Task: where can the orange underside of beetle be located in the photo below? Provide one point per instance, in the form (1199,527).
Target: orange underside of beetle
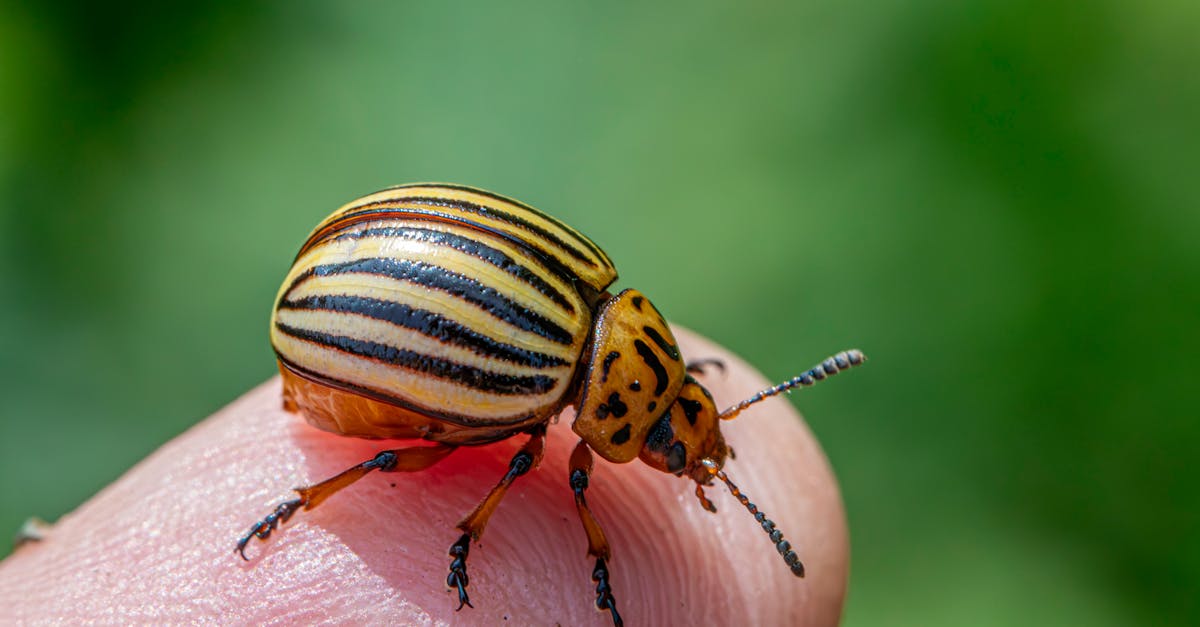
(348,413)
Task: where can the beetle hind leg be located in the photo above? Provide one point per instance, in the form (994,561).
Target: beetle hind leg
(473,524)
(581,470)
(397,460)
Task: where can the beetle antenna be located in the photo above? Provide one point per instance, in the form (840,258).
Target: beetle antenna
(783,546)
(831,366)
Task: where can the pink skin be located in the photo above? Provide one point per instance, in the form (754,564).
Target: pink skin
(156,546)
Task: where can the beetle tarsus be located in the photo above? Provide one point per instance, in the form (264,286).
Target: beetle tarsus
(704,500)
(458,570)
(263,528)
(474,523)
(385,461)
(604,596)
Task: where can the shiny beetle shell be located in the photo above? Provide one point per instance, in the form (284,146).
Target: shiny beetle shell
(455,314)
(458,316)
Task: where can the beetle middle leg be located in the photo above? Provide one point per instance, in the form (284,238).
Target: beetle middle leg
(472,525)
(396,460)
(581,470)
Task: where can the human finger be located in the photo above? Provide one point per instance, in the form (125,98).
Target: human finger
(156,545)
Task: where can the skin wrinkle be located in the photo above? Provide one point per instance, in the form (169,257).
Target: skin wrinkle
(156,545)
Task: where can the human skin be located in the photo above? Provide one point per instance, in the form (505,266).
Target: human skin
(156,546)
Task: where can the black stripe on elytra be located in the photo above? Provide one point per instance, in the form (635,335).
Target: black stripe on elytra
(503,216)
(453,283)
(671,350)
(581,238)
(385,209)
(660,373)
(381,209)
(471,247)
(491,382)
(428,323)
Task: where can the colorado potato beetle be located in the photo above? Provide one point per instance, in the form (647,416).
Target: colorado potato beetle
(454,315)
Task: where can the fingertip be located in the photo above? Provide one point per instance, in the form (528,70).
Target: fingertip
(154,546)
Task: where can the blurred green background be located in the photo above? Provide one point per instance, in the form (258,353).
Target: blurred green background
(998,201)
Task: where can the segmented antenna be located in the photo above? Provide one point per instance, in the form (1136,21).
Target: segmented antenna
(783,546)
(831,366)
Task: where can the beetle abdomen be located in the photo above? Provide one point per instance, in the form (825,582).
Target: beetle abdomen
(446,319)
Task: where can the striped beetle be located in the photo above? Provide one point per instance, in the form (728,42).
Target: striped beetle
(455,315)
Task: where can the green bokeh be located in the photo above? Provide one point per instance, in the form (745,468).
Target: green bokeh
(998,201)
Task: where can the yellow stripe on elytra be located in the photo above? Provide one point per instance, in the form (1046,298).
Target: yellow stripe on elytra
(446,305)
(505,281)
(438,395)
(474,316)
(599,273)
(359,327)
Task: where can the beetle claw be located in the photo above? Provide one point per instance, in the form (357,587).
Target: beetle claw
(604,596)
(240,549)
(458,578)
(263,528)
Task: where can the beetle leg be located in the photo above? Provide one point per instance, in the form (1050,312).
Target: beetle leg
(397,460)
(698,366)
(581,470)
(472,525)
(704,502)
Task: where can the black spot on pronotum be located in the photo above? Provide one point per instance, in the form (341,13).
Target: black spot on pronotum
(617,405)
(613,406)
(691,409)
(636,386)
(622,435)
(637,302)
(660,373)
(652,406)
(607,365)
(670,349)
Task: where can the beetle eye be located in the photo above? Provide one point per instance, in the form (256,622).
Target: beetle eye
(676,458)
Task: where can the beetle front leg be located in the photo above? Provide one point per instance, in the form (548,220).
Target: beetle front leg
(473,524)
(581,470)
(397,460)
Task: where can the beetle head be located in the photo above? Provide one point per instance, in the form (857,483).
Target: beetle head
(687,433)
(687,440)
